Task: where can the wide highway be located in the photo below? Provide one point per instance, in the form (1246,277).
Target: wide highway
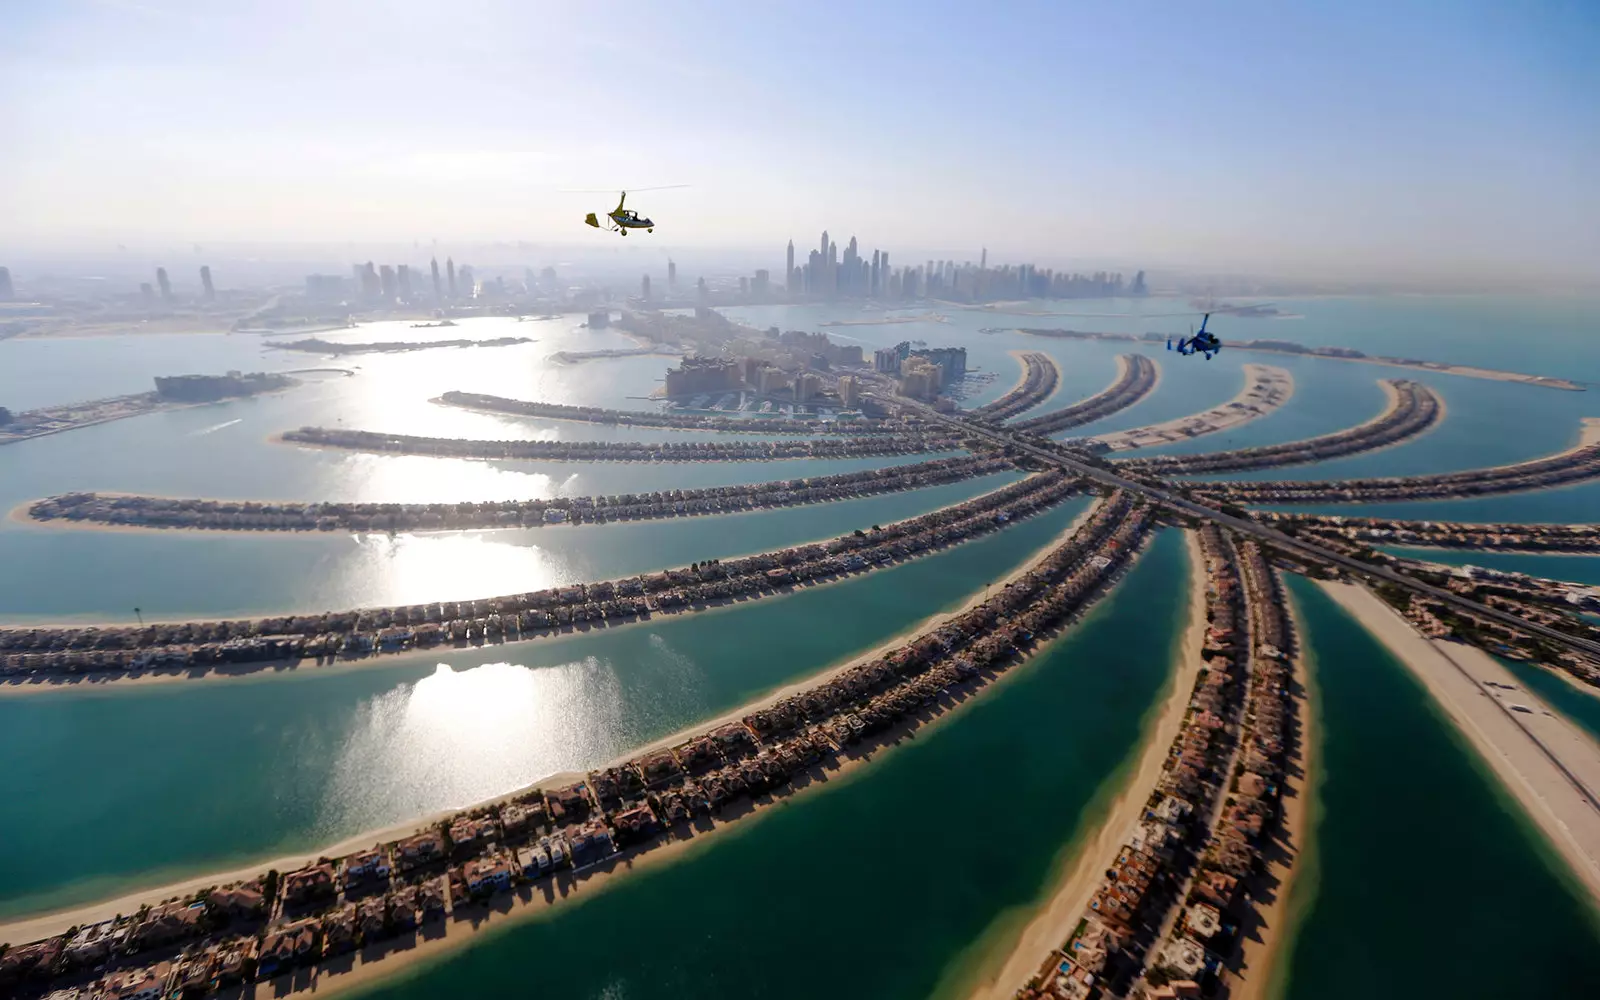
(1243,525)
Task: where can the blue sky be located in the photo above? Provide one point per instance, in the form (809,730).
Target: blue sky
(1358,138)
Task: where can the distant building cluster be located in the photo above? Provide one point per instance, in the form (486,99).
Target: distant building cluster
(828,274)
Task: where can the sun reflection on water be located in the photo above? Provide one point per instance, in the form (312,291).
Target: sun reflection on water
(457,737)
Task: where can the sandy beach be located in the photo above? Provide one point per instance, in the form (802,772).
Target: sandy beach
(1266,388)
(1550,766)
(35,927)
(1058,915)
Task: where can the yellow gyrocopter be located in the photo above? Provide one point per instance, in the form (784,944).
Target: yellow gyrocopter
(620,220)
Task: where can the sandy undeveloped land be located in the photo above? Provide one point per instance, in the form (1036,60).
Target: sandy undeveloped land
(1551,766)
(1058,915)
(1266,388)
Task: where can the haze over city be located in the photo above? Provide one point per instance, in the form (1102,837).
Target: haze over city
(1363,141)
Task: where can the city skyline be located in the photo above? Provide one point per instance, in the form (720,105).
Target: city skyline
(1363,141)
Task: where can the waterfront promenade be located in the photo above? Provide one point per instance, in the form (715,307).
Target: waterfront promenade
(1412,409)
(336,921)
(1137,377)
(1544,761)
(1575,465)
(1266,388)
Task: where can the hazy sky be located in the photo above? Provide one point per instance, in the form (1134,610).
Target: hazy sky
(1358,136)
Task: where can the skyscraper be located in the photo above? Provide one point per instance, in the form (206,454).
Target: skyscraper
(983,261)
(6,290)
(205,282)
(450,266)
(788,271)
(147,293)
(386,283)
(402,280)
(165,283)
(644,288)
(438,292)
(468,284)
(672,275)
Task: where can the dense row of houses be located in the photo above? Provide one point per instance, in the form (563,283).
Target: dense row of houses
(858,446)
(333,906)
(31,651)
(1415,408)
(124,510)
(680,421)
(1168,911)
(1137,379)
(1440,534)
(1553,604)
(1574,466)
(1040,377)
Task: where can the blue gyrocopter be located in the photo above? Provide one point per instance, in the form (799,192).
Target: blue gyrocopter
(1203,341)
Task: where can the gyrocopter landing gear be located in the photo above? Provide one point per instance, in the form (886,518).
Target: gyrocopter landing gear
(623,230)
(651,229)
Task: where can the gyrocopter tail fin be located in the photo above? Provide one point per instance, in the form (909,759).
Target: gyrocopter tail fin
(591,220)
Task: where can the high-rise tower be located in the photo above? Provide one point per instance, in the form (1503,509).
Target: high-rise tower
(205,283)
(788,271)
(450,268)
(165,283)
(438,291)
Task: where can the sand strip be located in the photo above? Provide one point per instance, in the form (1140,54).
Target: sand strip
(1266,388)
(1547,763)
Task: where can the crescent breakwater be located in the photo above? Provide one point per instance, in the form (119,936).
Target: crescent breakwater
(538,844)
(316,345)
(183,649)
(1329,353)
(1136,377)
(1040,376)
(1266,388)
(1173,902)
(683,421)
(131,511)
(867,446)
(1413,408)
(1574,465)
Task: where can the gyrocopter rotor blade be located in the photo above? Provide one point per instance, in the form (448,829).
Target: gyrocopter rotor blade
(614,190)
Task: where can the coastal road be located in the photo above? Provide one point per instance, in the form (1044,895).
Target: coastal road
(1059,457)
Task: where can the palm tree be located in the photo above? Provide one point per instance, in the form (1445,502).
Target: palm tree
(139,615)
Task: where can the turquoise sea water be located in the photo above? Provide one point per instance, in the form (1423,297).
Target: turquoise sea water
(880,885)
(116,789)
(1573,568)
(208,775)
(1422,859)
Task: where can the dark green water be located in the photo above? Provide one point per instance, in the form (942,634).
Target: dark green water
(1427,880)
(137,786)
(880,885)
